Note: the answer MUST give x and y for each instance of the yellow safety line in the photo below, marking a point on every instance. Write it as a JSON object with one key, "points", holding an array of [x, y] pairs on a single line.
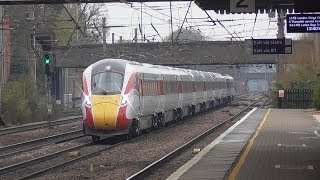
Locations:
{"points": [[248, 148]]}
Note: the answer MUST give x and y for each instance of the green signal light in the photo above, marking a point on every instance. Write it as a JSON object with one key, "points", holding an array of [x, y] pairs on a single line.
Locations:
{"points": [[46, 59]]}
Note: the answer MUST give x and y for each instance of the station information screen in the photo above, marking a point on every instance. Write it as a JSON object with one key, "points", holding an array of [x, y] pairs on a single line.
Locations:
{"points": [[303, 23]]}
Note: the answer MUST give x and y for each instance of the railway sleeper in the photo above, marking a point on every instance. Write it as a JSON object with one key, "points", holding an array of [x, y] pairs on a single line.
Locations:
{"points": [[95, 138]]}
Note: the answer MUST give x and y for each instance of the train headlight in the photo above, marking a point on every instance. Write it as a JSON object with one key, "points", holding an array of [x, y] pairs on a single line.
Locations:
{"points": [[123, 102], [124, 99], [87, 101]]}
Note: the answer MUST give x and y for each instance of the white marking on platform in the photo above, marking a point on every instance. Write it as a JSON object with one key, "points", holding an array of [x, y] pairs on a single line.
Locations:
{"points": [[316, 133], [294, 167], [292, 146], [317, 117], [230, 141], [298, 133], [176, 175], [312, 137]]}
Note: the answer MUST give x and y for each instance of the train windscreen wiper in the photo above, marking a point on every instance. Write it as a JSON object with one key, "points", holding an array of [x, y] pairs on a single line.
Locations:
{"points": [[101, 89]]}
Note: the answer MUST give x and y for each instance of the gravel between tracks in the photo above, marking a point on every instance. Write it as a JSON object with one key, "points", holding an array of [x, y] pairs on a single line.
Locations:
{"points": [[169, 168], [39, 133], [44, 150], [130, 157]]}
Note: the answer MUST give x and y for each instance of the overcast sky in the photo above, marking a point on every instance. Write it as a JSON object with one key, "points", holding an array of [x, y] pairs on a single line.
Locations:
{"points": [[240, 25]]}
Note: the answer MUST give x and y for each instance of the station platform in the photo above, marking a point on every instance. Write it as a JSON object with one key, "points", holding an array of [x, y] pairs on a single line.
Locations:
{"points": [[265, 144]]}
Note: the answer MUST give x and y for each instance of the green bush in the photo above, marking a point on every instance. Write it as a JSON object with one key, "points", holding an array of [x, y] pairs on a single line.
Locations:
{"points": [[316, 97], [22, 103]]}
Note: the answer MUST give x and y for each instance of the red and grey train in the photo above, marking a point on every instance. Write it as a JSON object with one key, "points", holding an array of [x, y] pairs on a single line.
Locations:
{"points": [[126, 97]]}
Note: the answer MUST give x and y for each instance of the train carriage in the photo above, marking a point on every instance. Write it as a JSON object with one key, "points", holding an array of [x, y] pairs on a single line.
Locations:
{"points": [[125, 97]]}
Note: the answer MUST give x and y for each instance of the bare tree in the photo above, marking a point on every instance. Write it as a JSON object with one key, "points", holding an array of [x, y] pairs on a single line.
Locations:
{"points": [[82, 25], [186, 35], [93, 15]]}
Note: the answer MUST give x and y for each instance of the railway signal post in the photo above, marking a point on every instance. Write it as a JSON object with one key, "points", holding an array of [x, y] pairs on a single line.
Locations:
{"points": [[46, 41], [48, 83]]}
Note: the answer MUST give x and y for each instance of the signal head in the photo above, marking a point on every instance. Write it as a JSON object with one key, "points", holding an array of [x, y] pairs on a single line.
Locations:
{"points": [[47, 60]]}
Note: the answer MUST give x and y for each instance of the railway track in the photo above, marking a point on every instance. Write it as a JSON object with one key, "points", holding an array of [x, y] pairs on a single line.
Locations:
{"points": [[170, 156], [55, 160], [13, 149], [38, 125], [38, 166]]}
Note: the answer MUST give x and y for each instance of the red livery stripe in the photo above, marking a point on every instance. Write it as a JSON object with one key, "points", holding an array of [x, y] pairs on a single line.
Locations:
{"points": [[89, 117], [85, 86], [122, 121], [130, 83]]}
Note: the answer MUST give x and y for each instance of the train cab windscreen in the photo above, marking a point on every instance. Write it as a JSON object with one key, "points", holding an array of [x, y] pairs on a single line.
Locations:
{"points": [[107, 83]]}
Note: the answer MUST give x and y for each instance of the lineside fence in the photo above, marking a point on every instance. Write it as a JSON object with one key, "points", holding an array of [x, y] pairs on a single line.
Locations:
{"points": [[295, 99]]}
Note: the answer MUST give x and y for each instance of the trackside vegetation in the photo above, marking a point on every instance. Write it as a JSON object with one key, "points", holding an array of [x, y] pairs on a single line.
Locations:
{"points": [[22, 103], [301, 70]]}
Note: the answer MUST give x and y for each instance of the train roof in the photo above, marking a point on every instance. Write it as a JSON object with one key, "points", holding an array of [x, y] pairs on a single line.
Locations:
{"points": [[159, 69]]}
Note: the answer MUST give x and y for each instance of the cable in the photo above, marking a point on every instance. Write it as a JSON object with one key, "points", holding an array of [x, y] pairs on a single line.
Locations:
{"points": [[74, 30], [183, 22], [255, 20]]}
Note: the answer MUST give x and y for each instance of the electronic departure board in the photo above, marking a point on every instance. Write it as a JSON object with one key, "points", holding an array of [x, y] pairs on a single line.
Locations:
{"points": [[303, 23]]}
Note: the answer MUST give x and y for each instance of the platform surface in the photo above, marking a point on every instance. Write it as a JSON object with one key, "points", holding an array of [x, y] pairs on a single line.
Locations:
{"points": [[285, 144], [287, 147], [214, 161]]}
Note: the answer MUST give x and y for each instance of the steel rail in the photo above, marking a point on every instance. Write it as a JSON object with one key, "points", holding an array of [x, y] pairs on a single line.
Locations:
{"points": [[37, 160], [52, 155], [155, 165], [35, 174], [92, 154], [38, 125], [9, 150]]}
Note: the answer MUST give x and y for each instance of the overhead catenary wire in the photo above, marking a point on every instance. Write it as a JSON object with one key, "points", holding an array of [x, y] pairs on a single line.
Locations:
{"points": [[220, 25], [157, 32], [183, 22], [75, 22], [152, 15], [255, 20], [74, 30]]}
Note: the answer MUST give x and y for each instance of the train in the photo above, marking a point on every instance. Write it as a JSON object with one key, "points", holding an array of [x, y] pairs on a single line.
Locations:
{"points": [[128, 97]]}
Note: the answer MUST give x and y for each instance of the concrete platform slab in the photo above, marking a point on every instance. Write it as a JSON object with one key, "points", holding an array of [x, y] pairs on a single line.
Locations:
{"points": [[214, 161], [287, 147]]}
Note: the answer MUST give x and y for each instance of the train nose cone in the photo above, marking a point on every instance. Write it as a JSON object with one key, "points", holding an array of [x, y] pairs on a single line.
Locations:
{"points": [[105, 115], [105, 112]]}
